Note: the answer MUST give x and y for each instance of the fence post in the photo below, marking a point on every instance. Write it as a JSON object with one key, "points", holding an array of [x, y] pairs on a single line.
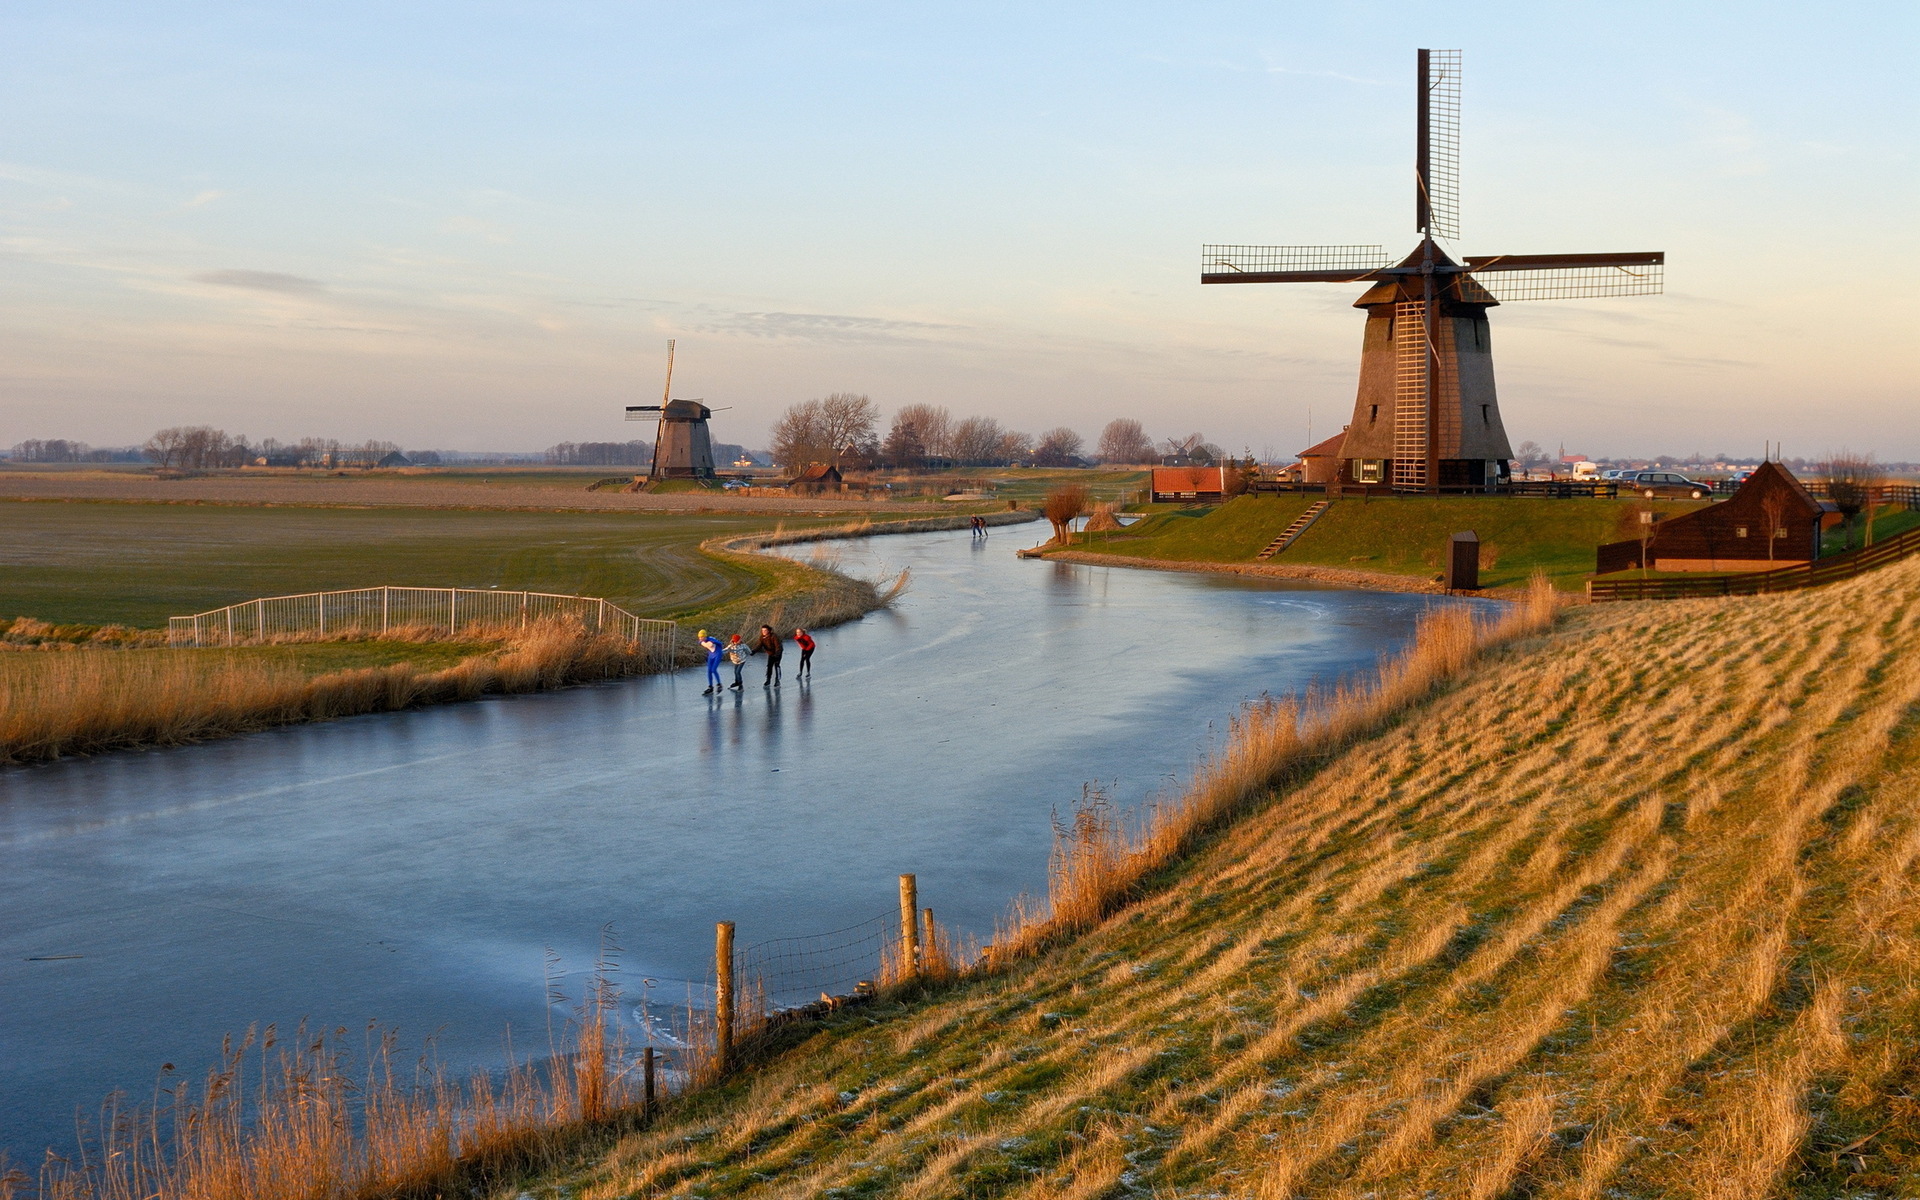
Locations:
{"points": [[260, 619], [229, 624], [453, 601], [723, 995], [929, 950], [646, 1075], [323, 612], [385, 592], [909, 927], [600, 623], [523, 610]]}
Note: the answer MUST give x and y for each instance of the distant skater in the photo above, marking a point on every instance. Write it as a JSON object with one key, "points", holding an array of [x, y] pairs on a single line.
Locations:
{"points": [[804, 640], [769, 645], [737, 652], [711, 645]]}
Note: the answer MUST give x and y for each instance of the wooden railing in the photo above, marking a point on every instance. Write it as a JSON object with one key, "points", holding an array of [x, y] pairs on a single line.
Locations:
{"points": [[1753, 583]]}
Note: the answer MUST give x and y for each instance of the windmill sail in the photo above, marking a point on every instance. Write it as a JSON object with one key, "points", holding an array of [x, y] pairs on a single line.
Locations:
{"points": [[1570, 276], [1290, 264], [1437, 173]]}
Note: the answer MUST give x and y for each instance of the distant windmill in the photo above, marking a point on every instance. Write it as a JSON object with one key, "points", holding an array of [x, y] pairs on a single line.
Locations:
{"points": [[1426, 418], [681, 447]]}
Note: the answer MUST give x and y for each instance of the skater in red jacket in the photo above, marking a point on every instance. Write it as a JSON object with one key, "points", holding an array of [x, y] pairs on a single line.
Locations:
{"points": [[804, 640]]}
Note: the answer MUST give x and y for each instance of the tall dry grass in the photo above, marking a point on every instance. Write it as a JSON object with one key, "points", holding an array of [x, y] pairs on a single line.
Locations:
{"points": [[307, 1118], [1099, 860], [107, 700]]}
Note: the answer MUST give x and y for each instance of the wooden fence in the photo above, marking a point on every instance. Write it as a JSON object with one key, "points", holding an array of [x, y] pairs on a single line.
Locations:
{"points": [[371, 612], [1753, 583]]}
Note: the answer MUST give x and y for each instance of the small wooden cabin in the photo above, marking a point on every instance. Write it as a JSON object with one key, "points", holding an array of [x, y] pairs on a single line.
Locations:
{"points": [[1200, 485], [817, 478], [1733, 535]]}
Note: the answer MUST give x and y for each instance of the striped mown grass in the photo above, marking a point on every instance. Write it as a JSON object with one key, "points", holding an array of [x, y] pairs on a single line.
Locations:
{"points": [[1628, 910]]}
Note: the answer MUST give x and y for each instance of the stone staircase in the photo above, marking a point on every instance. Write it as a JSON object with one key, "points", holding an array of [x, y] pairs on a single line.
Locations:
{"points": [[1294, 530]]}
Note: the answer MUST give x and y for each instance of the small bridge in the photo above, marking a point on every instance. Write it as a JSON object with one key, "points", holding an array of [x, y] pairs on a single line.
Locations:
{"points": [[375, 612]]}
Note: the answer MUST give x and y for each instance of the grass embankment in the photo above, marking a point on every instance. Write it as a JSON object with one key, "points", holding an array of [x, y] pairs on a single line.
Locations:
{"points": [[1630, 912], [90, 564], [58, 703], [1403, 536], [138, 564]]}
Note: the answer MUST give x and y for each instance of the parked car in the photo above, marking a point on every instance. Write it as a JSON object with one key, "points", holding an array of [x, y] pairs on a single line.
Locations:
{"points": [[1665, 483]]}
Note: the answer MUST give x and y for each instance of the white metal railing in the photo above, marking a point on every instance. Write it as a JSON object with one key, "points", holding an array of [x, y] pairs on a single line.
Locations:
{"points": [[371, 612]]}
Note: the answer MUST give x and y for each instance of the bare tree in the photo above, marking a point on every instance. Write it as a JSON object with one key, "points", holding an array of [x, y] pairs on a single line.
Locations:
{"points": [[1014, 446], [799, 436], [847, 421], [1058, 447], [1063, 504], [1124, 440], [919, 432], [1773, 510], [1850, 480], [976, 441]]}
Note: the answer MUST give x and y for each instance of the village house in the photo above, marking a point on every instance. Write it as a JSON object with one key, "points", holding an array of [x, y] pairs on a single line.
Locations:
{"points": [[1771, 509], [1202, 485]]}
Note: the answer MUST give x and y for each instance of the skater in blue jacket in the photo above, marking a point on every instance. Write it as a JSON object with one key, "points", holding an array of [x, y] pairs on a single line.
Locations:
{"points": [[712, 646]]}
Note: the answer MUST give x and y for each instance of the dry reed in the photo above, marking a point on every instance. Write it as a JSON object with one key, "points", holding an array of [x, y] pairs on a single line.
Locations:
{"points": [[296, 1120], [108, 700], [1098, 861]]}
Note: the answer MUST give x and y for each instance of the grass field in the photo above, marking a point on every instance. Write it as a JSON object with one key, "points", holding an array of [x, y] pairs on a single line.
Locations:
{"points": [[138, 564], [1630, 913], [1397, 535]]}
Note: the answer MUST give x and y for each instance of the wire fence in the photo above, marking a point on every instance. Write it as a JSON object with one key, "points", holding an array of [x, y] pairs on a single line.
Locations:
{"points": [[372, 612], [783, 973]]}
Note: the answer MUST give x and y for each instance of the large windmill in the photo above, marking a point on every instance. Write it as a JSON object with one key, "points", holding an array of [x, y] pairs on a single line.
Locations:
{"points": [[682, 448], [1426, 419]]}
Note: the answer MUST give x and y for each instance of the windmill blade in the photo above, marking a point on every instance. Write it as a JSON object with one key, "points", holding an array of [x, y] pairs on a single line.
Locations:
{"points": [[638, 412], [1290, 264], [1437, 152], [1570, 276]]}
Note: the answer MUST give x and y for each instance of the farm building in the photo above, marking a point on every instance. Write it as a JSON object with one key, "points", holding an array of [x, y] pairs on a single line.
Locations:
{"points": [[1321, 463], [1205, 485], [1771, 509], [817, 478]]}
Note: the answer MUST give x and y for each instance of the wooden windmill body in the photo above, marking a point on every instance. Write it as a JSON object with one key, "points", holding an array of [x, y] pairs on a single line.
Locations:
{"points": [[1427, 417], [682, 448]]}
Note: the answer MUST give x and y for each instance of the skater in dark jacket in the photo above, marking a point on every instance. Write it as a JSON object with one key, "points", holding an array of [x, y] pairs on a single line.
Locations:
{"points": [[804, 640], [769, 645]]}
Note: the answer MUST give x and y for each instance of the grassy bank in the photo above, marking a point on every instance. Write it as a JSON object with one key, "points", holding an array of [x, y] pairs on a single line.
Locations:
{"points": [[1392, 535], [138, 564], [1629, 912], [55, 703]]}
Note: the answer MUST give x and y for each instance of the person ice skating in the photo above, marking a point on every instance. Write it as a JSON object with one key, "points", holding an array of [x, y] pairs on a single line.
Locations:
{"points": [[711, 645], [769, 645], [804, 640], [737, 652]]}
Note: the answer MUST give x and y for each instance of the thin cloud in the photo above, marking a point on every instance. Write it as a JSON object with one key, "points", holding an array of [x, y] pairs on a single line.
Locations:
{"points": [[262, 281], [204, 199], [827, 327]]}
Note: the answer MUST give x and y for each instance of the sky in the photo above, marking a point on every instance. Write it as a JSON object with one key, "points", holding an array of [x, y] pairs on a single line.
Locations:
{"points": [[474, 226]]}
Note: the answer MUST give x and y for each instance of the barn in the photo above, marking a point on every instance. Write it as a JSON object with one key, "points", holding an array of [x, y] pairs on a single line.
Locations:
{"points": [[1771, 509], [1202, 485]]}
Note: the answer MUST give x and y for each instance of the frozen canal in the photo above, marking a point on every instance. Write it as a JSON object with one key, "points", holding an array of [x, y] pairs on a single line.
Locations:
{"points": [[410, 868]]}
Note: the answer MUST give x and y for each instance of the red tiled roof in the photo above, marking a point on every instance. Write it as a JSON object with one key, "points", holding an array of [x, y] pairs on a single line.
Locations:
{"points": [[1188, 479], [1327, 449]]}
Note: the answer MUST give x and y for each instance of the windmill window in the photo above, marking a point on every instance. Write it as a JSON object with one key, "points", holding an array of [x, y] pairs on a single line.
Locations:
{"points": [[1373, 413], [1389, 328], [1740, 531], [1485, 419]]}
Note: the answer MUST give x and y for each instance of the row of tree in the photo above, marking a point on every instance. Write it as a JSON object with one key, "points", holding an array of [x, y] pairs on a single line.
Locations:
{"points": [[202, 447], [61, 450], [844, 429]]}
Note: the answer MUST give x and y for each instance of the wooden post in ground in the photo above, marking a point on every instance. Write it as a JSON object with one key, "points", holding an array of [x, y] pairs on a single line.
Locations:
{"points": [[929, 950], [723, 995], [646, 1075], [385, 595], [909, 927]]}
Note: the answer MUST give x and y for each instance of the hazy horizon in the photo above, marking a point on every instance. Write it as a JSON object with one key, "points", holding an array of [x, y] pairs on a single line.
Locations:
{"points": [[457, 227]]}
